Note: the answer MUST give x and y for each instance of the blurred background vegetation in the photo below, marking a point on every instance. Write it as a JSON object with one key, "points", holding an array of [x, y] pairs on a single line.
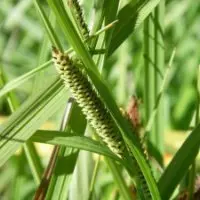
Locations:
{"points": [[21, 36]]}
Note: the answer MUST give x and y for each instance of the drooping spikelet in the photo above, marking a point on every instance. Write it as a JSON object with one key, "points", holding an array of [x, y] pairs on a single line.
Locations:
{"points": [[78, 15]]}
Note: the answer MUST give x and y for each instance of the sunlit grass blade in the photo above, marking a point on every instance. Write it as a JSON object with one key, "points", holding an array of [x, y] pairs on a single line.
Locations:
{"points": [[49, 29], [160, 94], [159, 57], [21, 79], [79, 142], [29, 149], [29, 117]]}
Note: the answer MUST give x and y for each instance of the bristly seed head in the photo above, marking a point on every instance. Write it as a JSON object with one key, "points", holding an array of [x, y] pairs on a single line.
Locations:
{"points": [[78, 14], [88, 100]]}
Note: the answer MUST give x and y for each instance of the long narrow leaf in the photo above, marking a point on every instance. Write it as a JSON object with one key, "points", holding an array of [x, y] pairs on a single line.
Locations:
{"points": [[21, 79], [130, 17], [26, 120], [180, 164], [79, 142]]}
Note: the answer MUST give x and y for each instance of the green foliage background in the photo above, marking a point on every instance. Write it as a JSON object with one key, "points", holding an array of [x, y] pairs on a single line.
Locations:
{"points": [[24, 45]]}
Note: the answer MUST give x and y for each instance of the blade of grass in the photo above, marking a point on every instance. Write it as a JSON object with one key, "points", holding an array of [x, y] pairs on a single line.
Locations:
{"points": [[149, 68], [21, 79], [79, 142], [159, 64], [49, 29], [119, 179], [33, 161], [179, 164], [154, 151], [94, 177], [192, 172], [160, 94], [130, 18], [29, 117], [29, 149]]}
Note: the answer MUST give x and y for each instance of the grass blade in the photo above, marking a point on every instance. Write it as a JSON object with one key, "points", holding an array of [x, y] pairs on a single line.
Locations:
{"points": [[130, 17], [180, 164], [29, 149], [28, 118], [79, 142], [21, 79]]}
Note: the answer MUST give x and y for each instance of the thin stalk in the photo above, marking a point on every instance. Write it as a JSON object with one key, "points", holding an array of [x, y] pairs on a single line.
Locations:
{"points": [[119, 180], [159, 64], [149, 73], [192, 173], [122, 65], [94, 176], [47, 25], [162, 89], [105, 28], [98, 16], [44, 184]]}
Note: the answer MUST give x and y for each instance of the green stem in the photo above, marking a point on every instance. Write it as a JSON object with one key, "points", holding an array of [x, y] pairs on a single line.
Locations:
{"points": [[159, 64], [149, 73], [94, 176], [192, 173]]}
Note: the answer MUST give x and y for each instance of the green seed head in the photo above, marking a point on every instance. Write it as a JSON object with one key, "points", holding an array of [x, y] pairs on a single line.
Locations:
{"points": [[88, 99]]}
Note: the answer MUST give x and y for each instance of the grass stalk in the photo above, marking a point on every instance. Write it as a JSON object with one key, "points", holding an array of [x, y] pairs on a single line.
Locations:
{"points": [[154, 66], [192, 172], [149, 73], [159, 64]]}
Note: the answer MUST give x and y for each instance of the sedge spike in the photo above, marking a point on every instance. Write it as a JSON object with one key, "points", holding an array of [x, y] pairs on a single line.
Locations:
{"points": [[78, 15], [91, 105]]}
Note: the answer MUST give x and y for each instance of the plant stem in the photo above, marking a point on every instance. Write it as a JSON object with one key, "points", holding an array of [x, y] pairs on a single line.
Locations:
{"points": [[154, 66], [149, 88], [159, 65], [192, 172]]}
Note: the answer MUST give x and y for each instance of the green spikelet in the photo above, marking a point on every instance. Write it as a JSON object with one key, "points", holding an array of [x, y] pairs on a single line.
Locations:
{"points": [[91, 105], [78, 15], [95, 112]]}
